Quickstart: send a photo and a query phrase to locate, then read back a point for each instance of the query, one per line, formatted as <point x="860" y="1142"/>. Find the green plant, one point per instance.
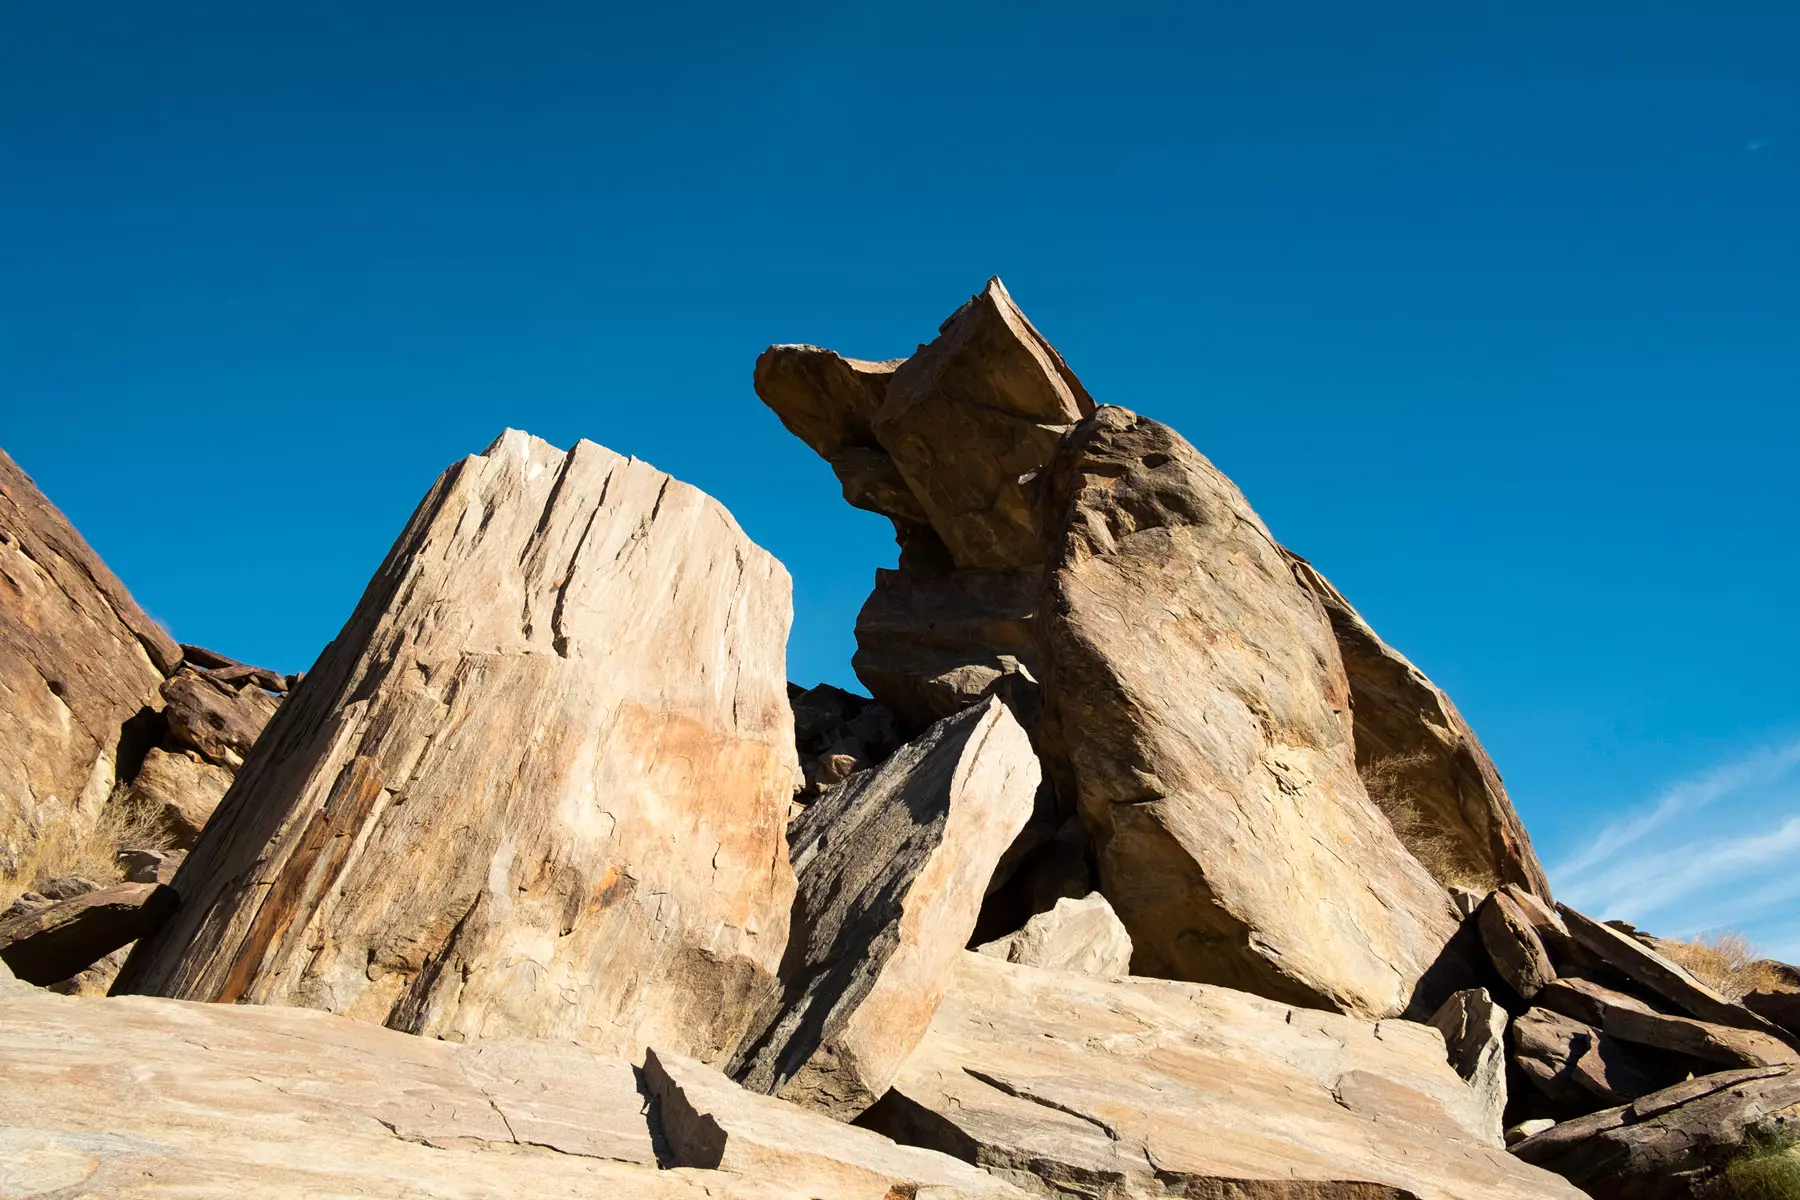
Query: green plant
<point x="1767" y="1168"/>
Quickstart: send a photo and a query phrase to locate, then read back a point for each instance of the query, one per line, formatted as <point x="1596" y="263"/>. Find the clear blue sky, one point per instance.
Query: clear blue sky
<point x="1493" y="310"/>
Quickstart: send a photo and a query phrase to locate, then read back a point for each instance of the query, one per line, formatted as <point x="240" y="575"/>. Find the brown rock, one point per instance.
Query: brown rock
<point x="78" y="662"/>
<point x="838" y="733"/>
<point x="1651" y="970"/>
<point x="1474" y="1030"/>
<point x="150" y="866"/>
<point x="1575" y="1064"/>
<point x="1139" y="1088"/>
<point x="1721" y="1044"/>
<point x="1656" y="1147"/>
<point x="1514" y="946"/>
<point x="1544" y="922"/>
<point x="183" y="789"/>
<point x="228" y="671"/>
<point x="515" y="796"/>
<point x="710" y="1122"/>
<point x="892" y="866"/>
<point x="1459" y="820"/>
<point x="49" y="944"/>
<point x="1196" y="691"/>
<point x="218" y="721"/>
<point x="1586" y="1001"/>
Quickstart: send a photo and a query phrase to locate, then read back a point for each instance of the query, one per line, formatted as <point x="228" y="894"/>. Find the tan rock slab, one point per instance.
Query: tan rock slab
<point x="1474" y="1030"/>
<point x="892" y="867"/>
<point x="1720" y="1044"/>
<point x="1077" y="935"/>
<point x="183" y="789"/>
<point x="1134" y="1088"/>
<point x="1576" y="1064"/>
<point x="708" y="1121"/>
<point x="1198" y="695"/>
<point x="536" y="787"/>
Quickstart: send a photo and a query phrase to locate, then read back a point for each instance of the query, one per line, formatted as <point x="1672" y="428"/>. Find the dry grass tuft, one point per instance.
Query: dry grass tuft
<point x="1767" y="1168"/>
<point x="1385" y="779"/>
<point x="1725" y="961"/>
<point x="60" y="849"/>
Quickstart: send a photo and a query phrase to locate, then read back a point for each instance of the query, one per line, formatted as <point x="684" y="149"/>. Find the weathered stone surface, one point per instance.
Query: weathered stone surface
<point x="710" y="1122"/>
<point x="144" y="1097"/>
<point x="536" y="786"/>
<point x="1196" y="691"/>
<point x="1077" y="935"/>
<point x="892" y="866"/>
<point x="49" y="944"/>
<point x="1721" y="1044"/>
<point x="182" y="788"/>
<point x="1586" y="1001"/>
<point x="78" y="661"/>
<point x="219" y="721"/>
<point x="1474" y="1030"/>
<point x="1651" y="970"/>
<point x="151" y="866"/>
<point x="1778" y="1003"/>
<point x="1514" y="946"/>
<point x="1549" y="927"/>
<point x="1406" y="722"/>
<point x="1130" y="1088"/>
<point x="1655" y="1147"/>
<point x="970" y="418"/>
<point x="1575" y="1064"/>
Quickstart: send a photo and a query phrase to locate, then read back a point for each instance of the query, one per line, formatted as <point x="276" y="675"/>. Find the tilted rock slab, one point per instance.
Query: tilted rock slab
<point x="78" y="660"/>
<point x="1076" y="935"/>
<point x="1513" y="945"/>
<point x="141" y="1097"/>
<point x="892" y="866"/>
<point x="49" y="944"/>
<point x="708" y="1121"/>
<point x="1405" y="719"/>
<point x="1474" y="1030"/>
<point x="1140" y="1088"/>
<point x="1650" y="1148"/>
<point x="1197" y="692"/>
<point x="1575" y="1064"/>
<point x="536" y="787"/>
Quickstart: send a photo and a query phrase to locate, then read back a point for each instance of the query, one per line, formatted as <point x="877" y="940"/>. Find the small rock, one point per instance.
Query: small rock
<point x="1524" y="1129"/>
<point x="1077" y="935"/>
<point x="150" y="866"/>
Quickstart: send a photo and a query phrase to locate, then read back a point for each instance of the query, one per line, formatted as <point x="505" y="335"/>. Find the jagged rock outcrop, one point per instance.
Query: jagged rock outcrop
<point x="1196" y="691"/>
<point x="1575" y="1064"/>
<point x="1660" y="1145"/>
<point x="1139" y="1088"/>
<point x="49" y="943"/>
<point x="218" y="719"/>
<point x="1514" y="946"/>
<point x="182" y="789"/>
<point x="891" y="867"/>
<point x="1778" y="1002"/>
<point x="838" y="733"/>
<point x="1648" y="969"/>
<point x="79" y="663"/>
<point x="708" y="1121"/>
<point x="513" y="797"/>
<point x="1474" y="1030"/>
<point x="1457" y="816"/>
<point x="1075" y="935"/>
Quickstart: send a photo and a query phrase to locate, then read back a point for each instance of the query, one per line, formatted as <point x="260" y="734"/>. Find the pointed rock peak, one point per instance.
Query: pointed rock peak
<point x="989" y="352"/>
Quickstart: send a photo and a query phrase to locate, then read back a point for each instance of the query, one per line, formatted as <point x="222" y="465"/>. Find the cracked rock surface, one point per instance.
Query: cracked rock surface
<point x="536" y="786"/>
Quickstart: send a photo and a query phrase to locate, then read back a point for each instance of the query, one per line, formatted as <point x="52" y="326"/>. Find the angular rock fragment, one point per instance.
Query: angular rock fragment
<point x="1586" y="1001"/>
<point x="1141" y="1088"/>
<point x="1720" y="1044"/>
<point x="830" y="402"/>
<point x="79" y="661"/>
<point x="708" y="1121"/>
<point x="1474" y="1030"/>
<point x="44" y="945"/>
<point x="536" y="786"/>
<point x="1550" y="929"/>
<point x="1196" y="691"/>
<point x="1651" y="970"/>
<point x="1660" y="1145"/>
<point x="229" y="671"/>
<point x="1514" y="946"/>
<point x="182" y="790"/>
<point x="1778" y="1003"/>
<point x="891" y="867"/>
<point x="218" y="721"/>
<point x="1462" y="824"/>
<point x="1575" y="1064"/>
<point x="838" y="734"/>
<point x="1076" y="935"/>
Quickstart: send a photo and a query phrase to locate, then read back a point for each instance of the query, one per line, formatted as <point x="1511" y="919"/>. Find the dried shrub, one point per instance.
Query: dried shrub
<point x="1386" y="780"/>
<point x="1725" y="961"/>
<point x="1768" y="1168"/>
<point x="62" y="849"/>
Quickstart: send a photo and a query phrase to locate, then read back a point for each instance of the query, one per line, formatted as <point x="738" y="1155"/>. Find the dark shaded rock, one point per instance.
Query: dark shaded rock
<point x="1723" y="1045"/>
<point x="218" y="721"/>
<point x="1651" y="970"/>
<point x="837" y="734"/>
<point x="1575" y="1064"/>
<point x="150" y="866"/>
<point x="1514" y="946"/>
<point x="1586" y="1001"/>
<point x="54" y="942"/>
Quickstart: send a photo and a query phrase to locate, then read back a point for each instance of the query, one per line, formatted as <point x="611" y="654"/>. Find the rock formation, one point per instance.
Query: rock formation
<point x="892" y="866"/>
<point x="47" y="944"/>
<point x="1513" y="943"/>
<point x="512" y="797"/>
<point x="1474" y="1030"/>
<point x="1196" y="690"/>
<point x="1076" y="935"/>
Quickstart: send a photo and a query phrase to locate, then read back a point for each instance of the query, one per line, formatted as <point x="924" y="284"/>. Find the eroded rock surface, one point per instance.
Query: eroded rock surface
<point x="49" y="943"/>
<point x="1076" y="935"/>
<point x="514" y="796"/>
<point x="1474" y="1030"/>
<point x="892" y="866"/>
<point x="1197" y="692"/>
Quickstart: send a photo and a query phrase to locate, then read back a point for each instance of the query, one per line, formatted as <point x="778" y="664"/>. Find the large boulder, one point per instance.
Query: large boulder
<point x="1660" y="1145"/>
<point x="1197" y="694"/>
<point x="219" y="720"/>
<point x="49" y="943"/>
<point x="1513" y="945"/>
<point x="892" y="866"/>
<point x="1140" y="1088"/>
<point x="1577" y="1065"/>
<point x="79" y="661"/>
<point x="536" y="786"/>
<point x="181" y="790"/>
<point x="1457" y="816"/>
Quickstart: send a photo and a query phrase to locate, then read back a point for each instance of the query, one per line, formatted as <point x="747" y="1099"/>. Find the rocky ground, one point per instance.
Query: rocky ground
<point x="1145" y="869"/>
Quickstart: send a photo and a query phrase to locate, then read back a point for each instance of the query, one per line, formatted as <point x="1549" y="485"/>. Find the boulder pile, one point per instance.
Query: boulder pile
<point x="1145" y="869"/>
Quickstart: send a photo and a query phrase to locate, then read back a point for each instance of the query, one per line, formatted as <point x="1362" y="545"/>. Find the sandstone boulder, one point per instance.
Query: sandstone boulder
<point x="1513" y="945"/>
<point x="1718" y="1044"/>
<point x="1076" y="935"/>
<point x="829" y="402"/>
<point x="1140" y="1088"/>
<point x="1645" y="967"/>
<point x="182" y="789"/>
<point x="710" y="1122"/>
<point x="892" y="866"/>
<point x="1196" y="691"/>
<point x="79" y="661"/>
<point x="44" y="945"/>
<point x="1660" y="1145"/>
<point x="536" y="786"/>
<point x="218" y="721"/>
<point x="1474" y="1030"/>
<point x="1457" y="816"/>
<point x="1576" y="1065"/>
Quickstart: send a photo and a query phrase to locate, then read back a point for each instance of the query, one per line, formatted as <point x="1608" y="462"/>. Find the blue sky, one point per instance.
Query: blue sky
<point x="1490" y="309"/>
